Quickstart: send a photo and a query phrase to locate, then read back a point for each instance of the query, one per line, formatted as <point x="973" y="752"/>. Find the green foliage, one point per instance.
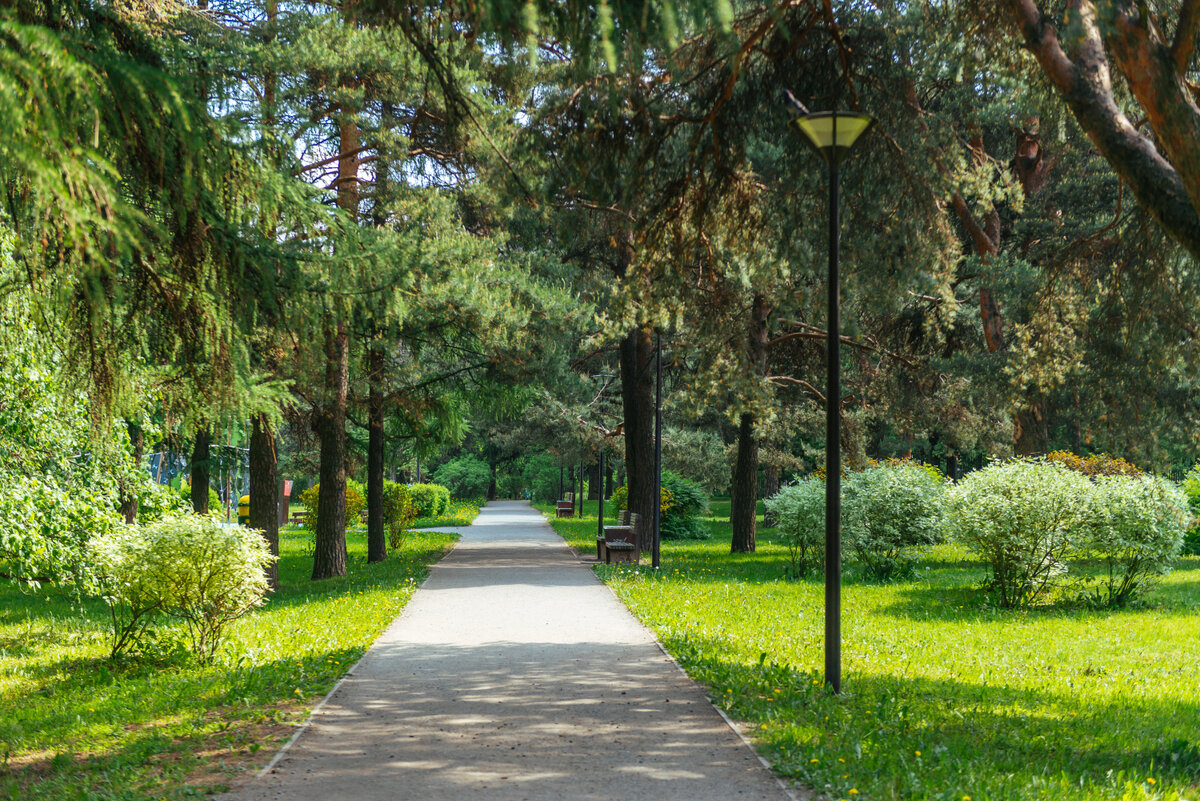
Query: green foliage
<point x="541" y="476"/>
<point x="185" y="495"/>
<point x="682" y="503"/>
<point x="1136" y="531"/>
<point x="890" y="510"/>
<point x="399" y="512"/>
<point x="188" y="567"/>
<point x="430" y="500"/>
<point x="465" y="477"/>
<point x="156" y="501"/>
<point x="356" y="501"/>
<point x="799" y="512"/>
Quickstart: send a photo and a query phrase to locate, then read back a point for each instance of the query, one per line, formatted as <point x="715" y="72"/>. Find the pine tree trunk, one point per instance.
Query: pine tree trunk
<point x="1031" y="436"/>
<point x="376" y="539"/>
<point x="745" y="489"/>
<point x="329" y="556"/>
<point x="608" y="480"/>
<point x="200" y="454"/>
<point x="637" y="397"/>
<point x="129" y="502"/>
<point x="593" y="481"/>
<point x="264" y="489"/>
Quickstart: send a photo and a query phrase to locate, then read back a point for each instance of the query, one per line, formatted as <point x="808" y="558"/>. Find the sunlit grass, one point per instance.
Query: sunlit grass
<point x="76" y="725"/>
<point x="458" y="513"/>
<point x="945" y="697"/>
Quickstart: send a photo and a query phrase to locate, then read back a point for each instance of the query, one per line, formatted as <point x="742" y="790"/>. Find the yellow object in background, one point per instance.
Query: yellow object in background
<point x="243" y="510"/>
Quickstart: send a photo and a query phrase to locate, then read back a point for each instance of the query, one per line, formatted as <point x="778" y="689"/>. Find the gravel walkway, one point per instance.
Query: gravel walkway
<point x="513" y="673"/>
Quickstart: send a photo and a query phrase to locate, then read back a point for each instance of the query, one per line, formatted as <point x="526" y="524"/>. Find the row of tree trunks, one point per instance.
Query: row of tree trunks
<point x="637" y="397"/>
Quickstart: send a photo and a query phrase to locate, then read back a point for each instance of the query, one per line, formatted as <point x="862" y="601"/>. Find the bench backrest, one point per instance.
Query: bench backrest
<point x="623" y="517"/>
<point x="569" y="496"/>
<point x="634" y="520"/>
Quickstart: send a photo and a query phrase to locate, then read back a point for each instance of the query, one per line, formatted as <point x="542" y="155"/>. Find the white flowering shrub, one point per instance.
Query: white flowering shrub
<point x="1024" y="518"/>
<point x="888" y="512"/>
<point x="799" y="509"/>
<point x="1136" y="532"/>
<point x="187" y="567"/>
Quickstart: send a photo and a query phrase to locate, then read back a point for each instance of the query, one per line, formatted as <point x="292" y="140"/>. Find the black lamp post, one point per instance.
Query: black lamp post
<point x="832" y="134"/>
<point x="657" y="452"/>
<point x="600" y="468"/>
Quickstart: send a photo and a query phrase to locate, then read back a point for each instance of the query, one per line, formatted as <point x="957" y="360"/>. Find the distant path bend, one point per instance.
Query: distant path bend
<point x="513" y="673"/>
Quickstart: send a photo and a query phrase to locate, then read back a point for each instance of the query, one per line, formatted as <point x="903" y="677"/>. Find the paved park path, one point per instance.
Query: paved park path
<point x="513" y="673"/>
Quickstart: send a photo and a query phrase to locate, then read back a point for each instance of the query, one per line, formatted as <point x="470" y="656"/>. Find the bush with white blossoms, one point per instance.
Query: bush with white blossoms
<point x="799" y="509"/>
<point x="186" y="567"/>
<point x="1025" y="518"/>
<point x="1136" y="531"/>
<point x="891" y="510"/>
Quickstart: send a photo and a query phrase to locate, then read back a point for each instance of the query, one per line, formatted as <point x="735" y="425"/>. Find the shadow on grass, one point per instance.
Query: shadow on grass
<point x="906" y="734"/>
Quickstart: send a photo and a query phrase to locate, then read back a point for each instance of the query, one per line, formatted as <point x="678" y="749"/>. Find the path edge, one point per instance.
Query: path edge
<point x="789" y="791"/>
<point x="282" y="752"/>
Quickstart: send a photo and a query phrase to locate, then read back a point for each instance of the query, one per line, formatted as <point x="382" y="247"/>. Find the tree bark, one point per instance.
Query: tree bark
<point x="744" y="491"/>
<point x="593" y="492"/>
<point x="637" y="399"/>
<point x="744" y="494"/>
<point x="264" y="490"/>
<point x="376" y="538"/>
<point x="1082" y="75"/>
<point x="329" y="556"/>
<point x="200" y="455"/>
<point x="608" y="481"/>
<point x="1031" y="435"/>
<point x="129" y="502"/>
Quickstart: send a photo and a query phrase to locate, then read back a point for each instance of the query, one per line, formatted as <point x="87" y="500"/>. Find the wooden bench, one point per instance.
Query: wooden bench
<point x="566" y="506"/>
<point x="620" y="541"/>
<point x="622" y="521"/>
<point x="299" y="518"/>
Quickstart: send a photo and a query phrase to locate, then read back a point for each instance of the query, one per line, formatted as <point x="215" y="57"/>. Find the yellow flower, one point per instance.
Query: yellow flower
<point x="814" y="761"/>
<point x="966" y="798"/>
<point x="1151" y="781"/>
<point x="918" y="753"/>
<point x="853" y="791"/>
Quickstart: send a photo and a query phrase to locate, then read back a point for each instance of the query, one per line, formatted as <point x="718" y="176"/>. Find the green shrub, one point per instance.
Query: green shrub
<point x="1023" y="517"/>
<point x="888" y="511"/>
<point x="185" y="494"/>
<point x="356" y="501"/>
<point x="156" y="501"/>
<point x="430" y="500"/>
<point x="399" y="512"/>
<point x="1191" y="486"/>
<point x="188" y="567"/>
<point x="465" y="477"/>
<point x="799" y="510"/>
<point x="1094" y="464"/>
<point x="1136" y="531"/>
<point x="683" y="502"/>
<point x="541" y="475"/>
<point x="1191" y="542"/>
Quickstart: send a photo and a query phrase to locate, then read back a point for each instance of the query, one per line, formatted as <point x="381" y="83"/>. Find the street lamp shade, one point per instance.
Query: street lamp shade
<point x="833" y="133"/>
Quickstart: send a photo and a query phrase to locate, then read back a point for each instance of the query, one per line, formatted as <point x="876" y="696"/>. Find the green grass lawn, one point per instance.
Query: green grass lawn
<point x="944" y="696"/>
<point x="74" y="725"/>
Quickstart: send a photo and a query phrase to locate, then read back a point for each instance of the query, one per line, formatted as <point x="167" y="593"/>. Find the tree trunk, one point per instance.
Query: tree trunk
<point x="491" y="493"/>
<point x="376" y="539"/>
<point x="129" y="502"/>
<point x="1031" y="436"/>
<point x="593" y="493"/>
<point x="744" y="492"/>
<point x="771" y="482"/>
<point x="264" y="490"/>
<point x="329" y="556"/>
<point x="608" y="481"/>
<point x="637" y="398"/>
<point x="200" y="453"/>
<point x="743" y="514"/>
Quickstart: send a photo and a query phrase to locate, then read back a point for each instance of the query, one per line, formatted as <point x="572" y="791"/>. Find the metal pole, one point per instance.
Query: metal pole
<point x="833" y="456"/>
<point x="600" y="496"/>
<point x="581" y="496"/>
<point x="560" y="482"/>
<point x="657" y="452"/>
